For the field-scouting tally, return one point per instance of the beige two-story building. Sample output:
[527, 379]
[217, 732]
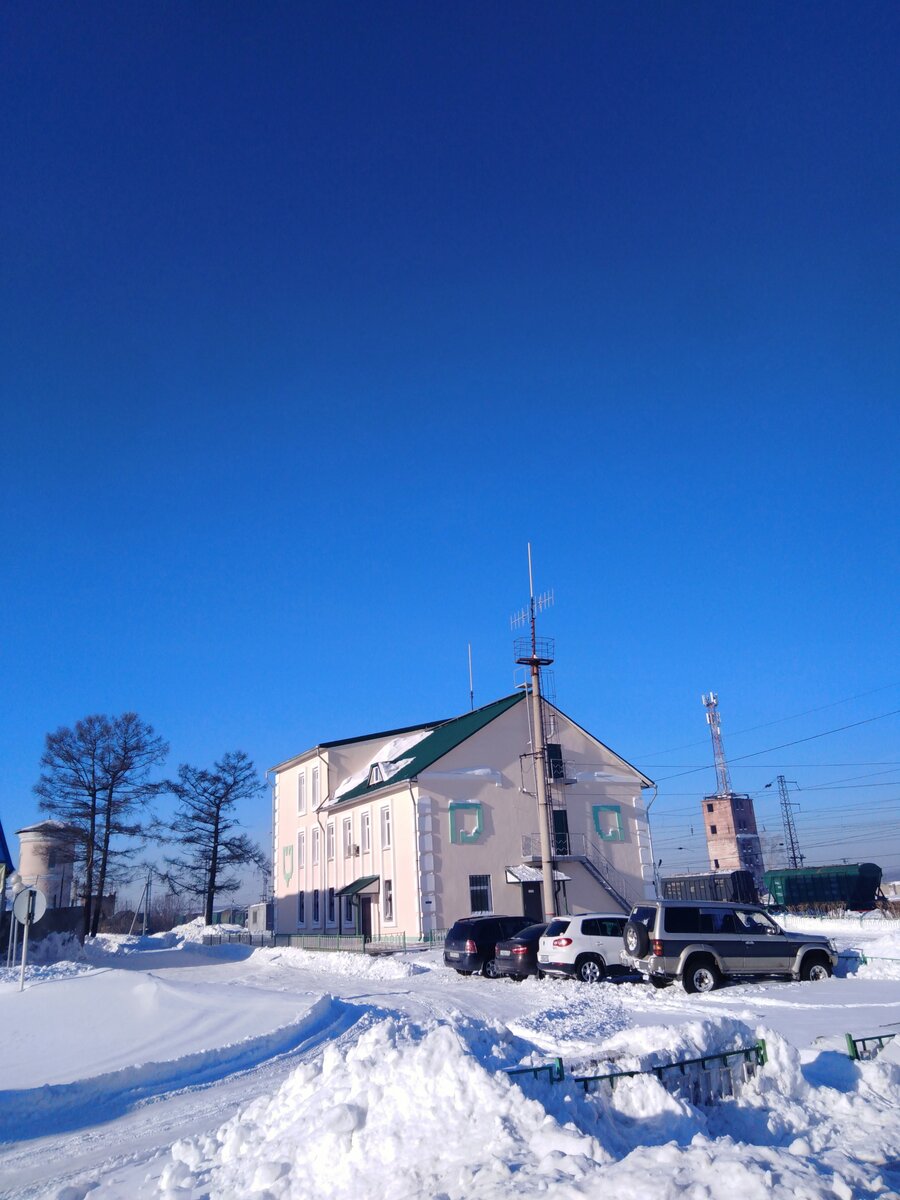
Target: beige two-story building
[406, 830]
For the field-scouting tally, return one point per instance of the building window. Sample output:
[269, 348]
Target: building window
[385, 828]
[301, 791]
[348, 838]
[315, 787]
[331, 906]
[365, 833]
[480, 893]
[301, 908]
[315, 847]
[329, 840]
[301, 849]
[709, 808]
[713, 829]
[716, 863]
[348, 911]
[388, 899]
[316, 915]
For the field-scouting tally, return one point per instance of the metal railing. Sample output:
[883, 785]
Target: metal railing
[699, 1080]
[703, 1080]
[867, 1047]
[578, 845]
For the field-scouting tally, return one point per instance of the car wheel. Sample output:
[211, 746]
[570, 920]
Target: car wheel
[636, 939]
[700, 975]
[658, 982]
[489, 970]
[815, 968]
[590, 969]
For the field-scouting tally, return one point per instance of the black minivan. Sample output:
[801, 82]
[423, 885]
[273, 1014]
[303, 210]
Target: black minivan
[469, 945]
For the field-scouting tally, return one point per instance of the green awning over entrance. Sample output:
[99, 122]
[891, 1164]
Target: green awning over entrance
[367, 886]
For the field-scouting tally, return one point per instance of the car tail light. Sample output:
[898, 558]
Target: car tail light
[657, 948]
[471, 948]
[562, 941]
[519, 949]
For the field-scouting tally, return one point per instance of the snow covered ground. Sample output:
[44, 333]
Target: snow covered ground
[158, 1067]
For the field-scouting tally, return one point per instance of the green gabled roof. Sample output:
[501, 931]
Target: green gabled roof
[442, 739]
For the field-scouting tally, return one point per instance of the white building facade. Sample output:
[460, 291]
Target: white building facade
[404, 831]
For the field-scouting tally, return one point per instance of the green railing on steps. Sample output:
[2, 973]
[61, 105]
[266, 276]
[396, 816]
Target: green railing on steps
[861, 1048]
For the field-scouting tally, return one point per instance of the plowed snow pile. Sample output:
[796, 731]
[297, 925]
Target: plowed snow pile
[405, 1110]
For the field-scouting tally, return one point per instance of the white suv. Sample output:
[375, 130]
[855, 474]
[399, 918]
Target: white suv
[581, 945]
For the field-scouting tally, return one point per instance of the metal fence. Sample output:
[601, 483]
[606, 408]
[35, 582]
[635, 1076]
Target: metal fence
[702, 1080]
[395, 943]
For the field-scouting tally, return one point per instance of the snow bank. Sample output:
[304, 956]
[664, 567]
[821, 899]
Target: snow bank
[336, 962]
[400, 1110]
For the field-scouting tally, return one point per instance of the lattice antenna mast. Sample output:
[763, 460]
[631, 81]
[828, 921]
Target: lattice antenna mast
[723, 780]
[791, 841]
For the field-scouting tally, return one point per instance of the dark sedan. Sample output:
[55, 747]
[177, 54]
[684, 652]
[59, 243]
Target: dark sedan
[517, 956]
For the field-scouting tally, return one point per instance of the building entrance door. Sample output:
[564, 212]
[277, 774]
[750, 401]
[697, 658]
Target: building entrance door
[365, 917]
[532, 902]
[560, 831]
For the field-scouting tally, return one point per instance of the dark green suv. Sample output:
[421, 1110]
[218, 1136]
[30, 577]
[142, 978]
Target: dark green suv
[701, 943]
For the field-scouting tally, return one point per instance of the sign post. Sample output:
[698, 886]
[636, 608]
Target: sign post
[30, 905]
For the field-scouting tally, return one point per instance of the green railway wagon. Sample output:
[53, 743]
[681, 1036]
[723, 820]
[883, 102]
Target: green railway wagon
[855, 885]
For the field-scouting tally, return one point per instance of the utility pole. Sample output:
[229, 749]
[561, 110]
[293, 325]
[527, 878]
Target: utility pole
[791, 841]
[535, 653]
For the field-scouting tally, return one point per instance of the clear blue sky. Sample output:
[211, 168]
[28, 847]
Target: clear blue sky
[313, 315]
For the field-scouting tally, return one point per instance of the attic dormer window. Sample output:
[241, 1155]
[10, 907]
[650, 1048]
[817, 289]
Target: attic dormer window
[375, 775]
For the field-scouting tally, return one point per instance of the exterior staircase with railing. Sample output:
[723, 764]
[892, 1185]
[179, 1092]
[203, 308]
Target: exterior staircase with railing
[580, 848]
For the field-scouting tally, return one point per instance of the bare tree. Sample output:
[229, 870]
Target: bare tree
[95, 778]
[206, 827]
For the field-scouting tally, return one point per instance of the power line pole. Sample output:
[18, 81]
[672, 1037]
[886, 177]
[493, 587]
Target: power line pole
[537, 654]
[791, 841]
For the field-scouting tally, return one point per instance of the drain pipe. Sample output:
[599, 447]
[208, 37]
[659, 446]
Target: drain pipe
[415, 809]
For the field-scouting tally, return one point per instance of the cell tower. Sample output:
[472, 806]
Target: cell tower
[534, 652]
[732, 839]
[714, 721]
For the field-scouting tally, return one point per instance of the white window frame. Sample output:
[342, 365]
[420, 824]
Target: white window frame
[331, 907]
[348, 837]
[365, 832]
[317, 907]
[386, 827]
[301, 908]
[315, 846]
[329, 841]
[301, 850]
[301, 791]
[315, 787]
[388, 902]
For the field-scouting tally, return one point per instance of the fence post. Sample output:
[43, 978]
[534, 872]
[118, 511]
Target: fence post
[852, 1049]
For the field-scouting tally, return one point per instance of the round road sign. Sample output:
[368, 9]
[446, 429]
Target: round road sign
[29, 899]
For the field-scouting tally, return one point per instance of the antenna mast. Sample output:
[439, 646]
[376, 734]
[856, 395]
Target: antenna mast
[723, 780]
[471, 684]
[535, 654]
